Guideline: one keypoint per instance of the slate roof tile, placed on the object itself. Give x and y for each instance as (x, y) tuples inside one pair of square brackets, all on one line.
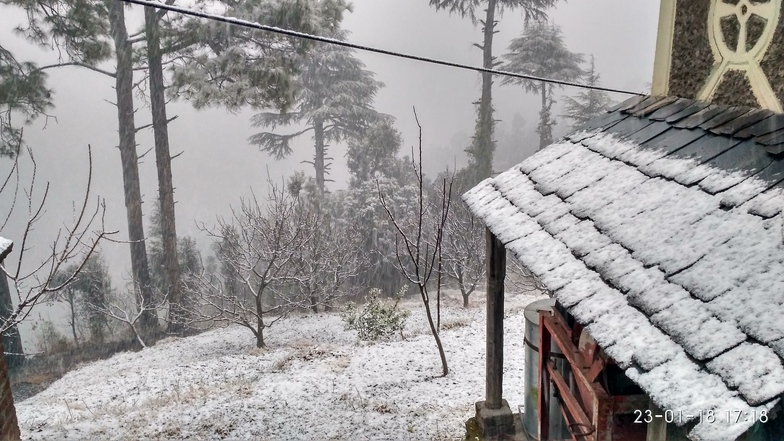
[(767, 125), (700, 117), (583, 238), (562, 223), (688, 111), (604, 300), (580, 288), (658, 297), (692, 324), (586, 201), (732, 127), (671, 109), (680, 384), (753, 369), (665, 241), (545, 156), (539, 253)]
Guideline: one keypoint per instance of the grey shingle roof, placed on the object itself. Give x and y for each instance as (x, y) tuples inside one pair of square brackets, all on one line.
[(659, 227)]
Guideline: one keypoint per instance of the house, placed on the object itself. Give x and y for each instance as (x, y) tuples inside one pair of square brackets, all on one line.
[(657, 228)]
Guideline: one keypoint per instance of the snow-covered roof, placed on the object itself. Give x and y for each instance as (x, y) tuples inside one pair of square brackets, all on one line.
[(5, 247), (664, 237)]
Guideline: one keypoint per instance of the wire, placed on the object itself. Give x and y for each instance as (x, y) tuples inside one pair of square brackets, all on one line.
[(289, 32)]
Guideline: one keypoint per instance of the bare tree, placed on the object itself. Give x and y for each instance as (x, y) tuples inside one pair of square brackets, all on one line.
[(68, 252), (261, 256), (331, 258), (463, 246), (522, 280), (129, 311), (420, 244)]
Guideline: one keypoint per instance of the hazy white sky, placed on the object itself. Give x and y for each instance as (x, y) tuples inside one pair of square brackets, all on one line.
[(218, 166)]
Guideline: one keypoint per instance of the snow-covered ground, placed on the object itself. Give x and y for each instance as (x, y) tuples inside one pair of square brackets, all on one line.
[(315, 382)]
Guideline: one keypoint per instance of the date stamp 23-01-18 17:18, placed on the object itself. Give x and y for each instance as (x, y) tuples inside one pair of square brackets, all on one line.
[(709, 416)]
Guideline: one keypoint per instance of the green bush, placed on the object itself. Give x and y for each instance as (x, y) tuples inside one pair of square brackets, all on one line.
[(377, 319)]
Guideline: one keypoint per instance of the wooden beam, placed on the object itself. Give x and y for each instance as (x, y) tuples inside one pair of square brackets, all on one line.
[(596, 368), (495, 259), (572, 406), (591, 392), (544, 378)]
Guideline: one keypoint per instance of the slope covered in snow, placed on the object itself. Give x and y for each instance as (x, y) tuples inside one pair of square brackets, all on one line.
[(314, 382)]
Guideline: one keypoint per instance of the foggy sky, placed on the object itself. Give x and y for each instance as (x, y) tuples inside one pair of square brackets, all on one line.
[(218, 165)]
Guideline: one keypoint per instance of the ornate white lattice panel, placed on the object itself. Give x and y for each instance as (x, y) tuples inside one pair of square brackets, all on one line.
[(755, 22)]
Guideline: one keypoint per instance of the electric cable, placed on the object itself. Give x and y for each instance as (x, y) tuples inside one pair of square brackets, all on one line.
[(291, 33)]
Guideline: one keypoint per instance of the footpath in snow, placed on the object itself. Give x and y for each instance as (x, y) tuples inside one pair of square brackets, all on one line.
[(314, 382)]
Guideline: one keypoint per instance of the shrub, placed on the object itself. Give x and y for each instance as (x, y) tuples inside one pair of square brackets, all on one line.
[(377, 319), (49, 340)]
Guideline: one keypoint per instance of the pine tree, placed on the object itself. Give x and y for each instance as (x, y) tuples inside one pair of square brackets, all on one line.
[(23, 92), (335, 101), (85, 33), (375, 152), (540, 51), (587, 103), (95, 284), (483, 144)]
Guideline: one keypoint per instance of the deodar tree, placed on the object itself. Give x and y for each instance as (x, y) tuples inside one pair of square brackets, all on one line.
[(587, 104), (541, 52), (23, 93), (86, 33), (483, 145), (334, 101)]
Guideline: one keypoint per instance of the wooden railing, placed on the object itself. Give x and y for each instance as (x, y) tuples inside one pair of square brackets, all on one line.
[(589, 411)]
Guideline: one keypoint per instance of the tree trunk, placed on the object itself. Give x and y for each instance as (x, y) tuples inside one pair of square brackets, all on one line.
[(319, 159), (259, 322), (12, 340), (544, 119), (465, 295), (445, 368), (163, 162), (73, 318), (130, 166), (486, 125), (314, 304)]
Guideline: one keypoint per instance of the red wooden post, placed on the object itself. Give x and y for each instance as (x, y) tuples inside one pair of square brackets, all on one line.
[(544, 378)]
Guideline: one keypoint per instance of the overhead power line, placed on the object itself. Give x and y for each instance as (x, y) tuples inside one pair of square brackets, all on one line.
[(289, 32)]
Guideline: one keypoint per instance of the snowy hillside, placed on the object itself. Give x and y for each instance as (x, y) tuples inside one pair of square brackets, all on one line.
[(315, 382)]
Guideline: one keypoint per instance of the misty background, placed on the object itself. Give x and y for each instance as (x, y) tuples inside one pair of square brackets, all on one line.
[(218, 166)]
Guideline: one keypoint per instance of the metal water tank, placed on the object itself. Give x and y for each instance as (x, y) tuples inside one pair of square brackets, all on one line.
[(558, 428)]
